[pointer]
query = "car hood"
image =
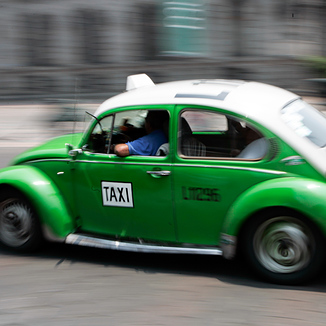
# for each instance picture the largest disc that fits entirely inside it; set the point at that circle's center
(54, 148)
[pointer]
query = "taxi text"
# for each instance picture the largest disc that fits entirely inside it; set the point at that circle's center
(117, 194)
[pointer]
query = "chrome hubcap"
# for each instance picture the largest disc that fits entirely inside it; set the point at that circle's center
(15, 223)
(283, 245)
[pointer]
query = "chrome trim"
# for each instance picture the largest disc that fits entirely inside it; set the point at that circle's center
(160, 173)
(169, 164)
(98, 162)
(84, 240)
(293, 160)
(48, 160)
(126, 163)
(231, 168)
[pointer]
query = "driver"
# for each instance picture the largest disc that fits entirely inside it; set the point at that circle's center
(149, 144)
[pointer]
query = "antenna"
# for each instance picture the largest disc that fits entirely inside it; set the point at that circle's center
(75, 111)
(76, 102)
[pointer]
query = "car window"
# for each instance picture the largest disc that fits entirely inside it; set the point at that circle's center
(117, 128)
(98, 141)
(210, 134)
(306, 121)
(121, 127)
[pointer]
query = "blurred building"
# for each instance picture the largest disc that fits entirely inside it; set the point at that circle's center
(59, 48)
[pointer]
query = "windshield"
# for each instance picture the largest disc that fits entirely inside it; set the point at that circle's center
(306, 121)
(116, 128)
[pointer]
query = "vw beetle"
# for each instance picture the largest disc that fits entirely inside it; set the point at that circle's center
(243, 172)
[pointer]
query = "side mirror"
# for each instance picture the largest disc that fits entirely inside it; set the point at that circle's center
(73, 152)
(69, 147)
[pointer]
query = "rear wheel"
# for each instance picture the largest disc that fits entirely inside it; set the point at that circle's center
(283, 247)
(19, 226)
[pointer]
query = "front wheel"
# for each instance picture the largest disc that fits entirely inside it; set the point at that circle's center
(284, 248)
(19, 226)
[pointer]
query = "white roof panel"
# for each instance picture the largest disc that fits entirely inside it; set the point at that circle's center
(245, 98)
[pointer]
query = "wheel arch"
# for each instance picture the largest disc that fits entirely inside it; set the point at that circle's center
(44, 196)
(300, 196)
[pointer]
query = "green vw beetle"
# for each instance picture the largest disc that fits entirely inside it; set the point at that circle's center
(241, 171)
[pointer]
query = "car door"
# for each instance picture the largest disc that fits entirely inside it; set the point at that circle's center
(123, 196)
(211, 171)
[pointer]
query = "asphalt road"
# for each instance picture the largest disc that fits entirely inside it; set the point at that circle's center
(67, 285)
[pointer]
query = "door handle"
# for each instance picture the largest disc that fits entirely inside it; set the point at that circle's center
(159, 173)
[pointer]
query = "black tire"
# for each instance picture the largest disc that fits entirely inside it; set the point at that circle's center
(283, 247)
(20, 228)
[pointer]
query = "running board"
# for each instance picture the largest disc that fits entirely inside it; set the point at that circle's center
(88, 241)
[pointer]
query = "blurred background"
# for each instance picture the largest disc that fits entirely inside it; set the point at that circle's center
(63, 52)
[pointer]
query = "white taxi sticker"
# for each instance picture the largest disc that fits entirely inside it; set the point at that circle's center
(118, 194)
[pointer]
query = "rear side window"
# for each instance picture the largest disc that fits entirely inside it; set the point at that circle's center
(209, 134)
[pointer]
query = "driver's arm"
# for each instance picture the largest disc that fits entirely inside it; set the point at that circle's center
(121, 150)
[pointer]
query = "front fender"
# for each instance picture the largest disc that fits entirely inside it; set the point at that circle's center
(304, 195)
(44, 196)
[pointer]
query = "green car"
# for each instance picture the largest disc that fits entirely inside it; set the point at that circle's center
(242, 172)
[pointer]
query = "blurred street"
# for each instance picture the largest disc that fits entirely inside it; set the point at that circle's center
(27, 125)
(77, 286)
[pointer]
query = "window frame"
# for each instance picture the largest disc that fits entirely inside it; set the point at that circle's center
(229, 116)
(123, 110)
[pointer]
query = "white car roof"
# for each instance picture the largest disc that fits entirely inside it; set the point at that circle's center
(254, 100)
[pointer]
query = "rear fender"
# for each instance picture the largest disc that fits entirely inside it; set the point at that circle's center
(43, 194)
(303, 195)
(306, 196)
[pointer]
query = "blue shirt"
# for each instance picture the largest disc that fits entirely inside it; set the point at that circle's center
(147, 145)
